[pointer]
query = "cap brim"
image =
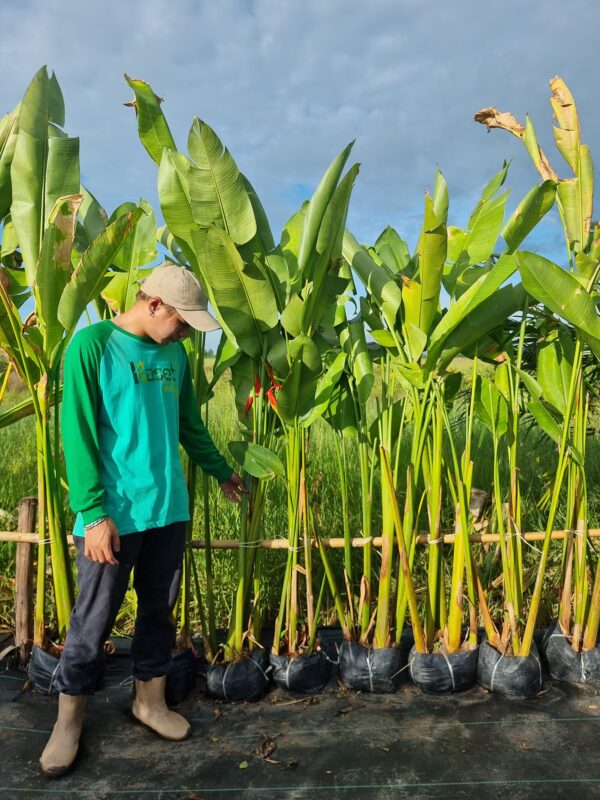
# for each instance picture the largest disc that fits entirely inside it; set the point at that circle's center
(199, 320)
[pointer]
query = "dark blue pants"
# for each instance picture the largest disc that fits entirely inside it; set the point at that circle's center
(156, 557)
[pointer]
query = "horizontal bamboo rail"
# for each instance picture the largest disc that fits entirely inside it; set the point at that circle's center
(377, 541)
(332, 542)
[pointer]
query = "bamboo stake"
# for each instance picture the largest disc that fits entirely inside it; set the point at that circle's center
(331, 542)
(24, 582)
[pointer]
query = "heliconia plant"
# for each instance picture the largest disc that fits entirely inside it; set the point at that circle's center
(312, 244)
(405, 319)
(558, 397)
(215, 225)
(301, 340)
(43, 207)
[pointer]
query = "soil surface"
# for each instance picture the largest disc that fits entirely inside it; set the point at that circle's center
(333, 746)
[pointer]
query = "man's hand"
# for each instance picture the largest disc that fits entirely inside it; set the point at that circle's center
(234, 488)
(102, 542)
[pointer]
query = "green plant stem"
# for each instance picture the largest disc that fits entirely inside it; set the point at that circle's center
(410, 591)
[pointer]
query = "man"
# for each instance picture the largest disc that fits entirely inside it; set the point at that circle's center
(127, 404)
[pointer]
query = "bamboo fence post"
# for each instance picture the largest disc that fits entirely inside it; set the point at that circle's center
(24, 580)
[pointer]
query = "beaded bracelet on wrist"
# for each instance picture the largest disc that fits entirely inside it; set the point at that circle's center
(93, 524)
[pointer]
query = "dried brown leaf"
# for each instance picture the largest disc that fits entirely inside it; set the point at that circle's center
(266, 748)
(492, 118)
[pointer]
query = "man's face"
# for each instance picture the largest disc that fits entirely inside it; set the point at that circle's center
(166, 325)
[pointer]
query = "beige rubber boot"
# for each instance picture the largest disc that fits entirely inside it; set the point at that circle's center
(59, 754)
(150, 709)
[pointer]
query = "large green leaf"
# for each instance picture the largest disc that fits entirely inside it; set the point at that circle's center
(565, 113)
(93, 216)
(218, 194)
(476, 245)
(392, 250)
(153, 129)
(555, 368)
(484, 228)
(457, 238)
(304, 349)
(258, 461)
(490, 406)
(92, 221)
(341, 411)
(536, 153)
(530, 383)
(9, 238)
(353, 340)
(12, 339)
(171, 245)
(292, 318)
(492, 186)
(483, 289)
(532, 208)
(484, 318)
(410, 374)
(53, 270)
(18, 289)
(576, 195)
(86, 280)
(383, 290)
(325, 389)
(263, 249)
(45, 165)
(174, 195)
(9, 126)
(586, 188)
(290, 245)
(175, 203)
(577, 217)
(243, 297)
(412, 303)
(440, 198)
(315, 212)
(545, 420)
(502, 379)
(62, 171)
(139, 248)
(561, 292)
(384, 338)
(243, 372)
(326, 285)
(421, 304)
(227, 355)
(121, 288)
(296, 397)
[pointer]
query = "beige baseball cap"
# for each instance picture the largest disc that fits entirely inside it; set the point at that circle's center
(179, 288)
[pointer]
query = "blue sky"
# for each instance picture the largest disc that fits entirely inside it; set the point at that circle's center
(287, 84)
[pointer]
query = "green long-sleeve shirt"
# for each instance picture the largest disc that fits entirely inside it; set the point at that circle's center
(127, 404)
